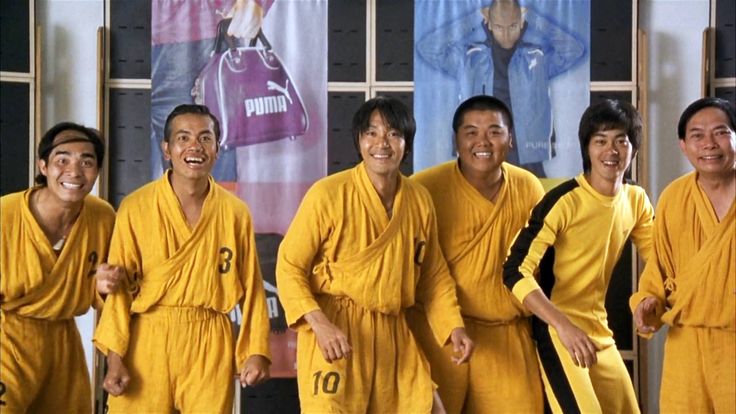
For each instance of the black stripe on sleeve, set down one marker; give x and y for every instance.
(520, 249)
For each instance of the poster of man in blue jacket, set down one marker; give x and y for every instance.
(533, 55)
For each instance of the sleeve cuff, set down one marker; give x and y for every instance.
(295, 314)
(524, 287)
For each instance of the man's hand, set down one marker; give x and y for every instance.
(462, 346)
(255, 370)
(117, 378)
(581, 348)
(331, 340)
(108, 278)
(247, 20)
(645, 315)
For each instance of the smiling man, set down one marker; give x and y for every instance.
(573, 240)
(690, 281)
(188, 248)
(54, 238)
(481, 203)
(362, 248)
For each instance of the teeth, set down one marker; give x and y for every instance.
(482, 154)
(194, 160)
(611, 163)
(710, 157)
(71, 186)
(381, 156)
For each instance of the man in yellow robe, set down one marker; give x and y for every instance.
(481, 203)
(54, 238)
(362, 248)
(689, 283)
(188, 247)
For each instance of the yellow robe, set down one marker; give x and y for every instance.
(693, 274)
(42, 363)
(212, 266)
(475, 234)
(342, 245)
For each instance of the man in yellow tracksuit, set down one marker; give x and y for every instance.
(54, 239)
(689, 283)
(574, 238)
(188, 247)
(362, 248)
(481, 203)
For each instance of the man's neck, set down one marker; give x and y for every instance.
(488, 183)
(386, 186)
(603, 186)
(720, 190)
(191, 194)
(54, 216)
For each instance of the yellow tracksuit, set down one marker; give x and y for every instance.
(345, 256)
(692, 272)
(475, 235)
(171, 322)
(42, 363)
(574, 238)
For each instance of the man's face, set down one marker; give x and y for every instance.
(505, 23)
(710, 142)
(71, 170)
(381, 147)
(482, 141)
(192, 147)
(610, 154)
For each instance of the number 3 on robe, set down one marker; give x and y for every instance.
(227, 256)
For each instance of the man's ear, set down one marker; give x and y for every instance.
(523, 14)
(682, 146)
(42, 167)
(165, 150)
(486, 13)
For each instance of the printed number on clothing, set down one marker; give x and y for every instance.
(227, 256)
(330, 382)
(2, 392)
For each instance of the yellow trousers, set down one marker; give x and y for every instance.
(178, 359)
(699, 371)
(42, 367)
(386, 373)
(603, 388)
(502, 376)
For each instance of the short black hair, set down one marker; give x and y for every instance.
(607, 115)
(393, 111)
(482, 103)
(46, 145)
(191, 109)
(702, 103)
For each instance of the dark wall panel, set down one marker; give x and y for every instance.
(728, 94)
(15, 37)
(725, 59)
(394, 40)
(130, 142)
(346, 41)
(130, 39)
(14, 127)
(341, 153)
(610, 40)
(597, 96)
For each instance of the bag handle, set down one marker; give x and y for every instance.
(224, 41)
